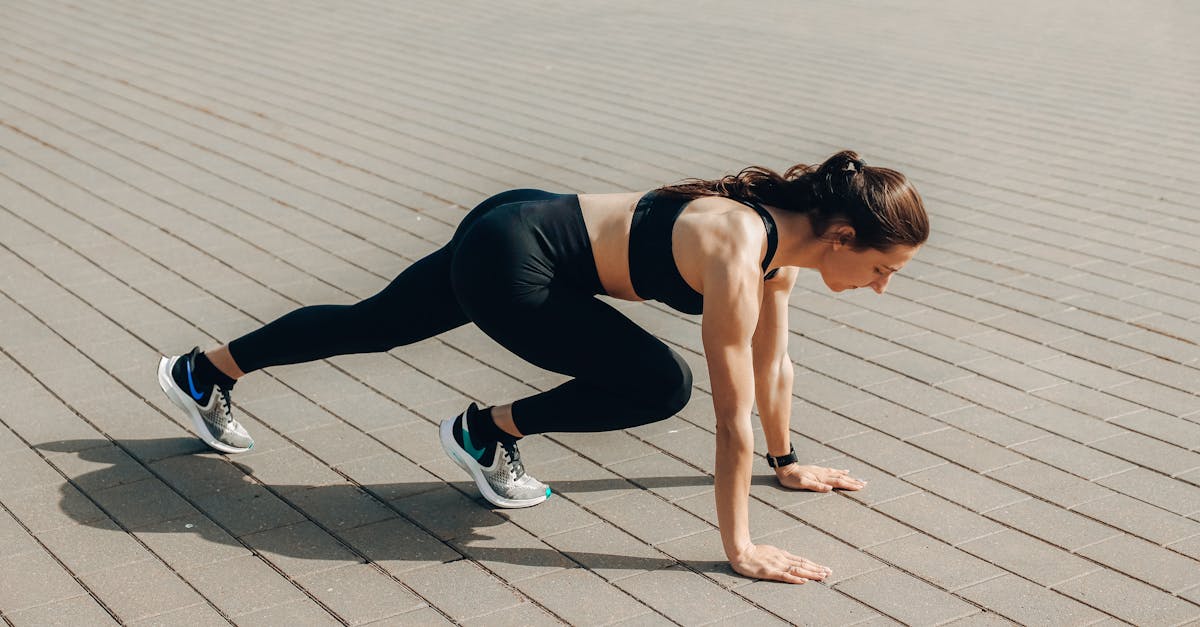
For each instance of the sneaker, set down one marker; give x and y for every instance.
(210, 410)
(496, 468)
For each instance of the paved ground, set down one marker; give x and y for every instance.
(1022, 401)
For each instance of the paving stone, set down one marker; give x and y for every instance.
(96, 546)
(663, 475)
(299, 612)
(1087, 401)
(80, 610)
(398, 546)
(813, 603)
(1028, 557)
(973, 491)
(1144, 485)
(605, 448)
(1178, 431)
(582, 598)
(1050, 483)
(608, 551)
(1150, 453)
(1069, 423)
(143, 502)
(248, 510)
(704, 553)
(550, 517)
(257, 586)
(200, 475)
(1140, 519)
(33, 578)
(300, 549)
(881, 487)
(939, 518)
(966, 449)
(50, 507)
(1055, 525)
(337, 443)
(992, 426)
(1073, 457)
(288, 469)
(199, 615)
(340, 507)
(890, 418)
(13, 538)
(360, 594)
(889, 454)
(140, 590)
(447, 514)
(100, 467)
(648, 517)
(856, 524)
(765, 519)
(905, 598)
(935, 562)
(1129, 599)
(390, 476)
(442, 585)
(1029, 604)
(24, 469)
(683, 595)
(523, 615)
(190, 541)
(1145, 561)
(512, 553)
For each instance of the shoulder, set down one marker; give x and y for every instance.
(732, 227)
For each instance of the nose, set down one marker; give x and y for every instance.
(880, 284)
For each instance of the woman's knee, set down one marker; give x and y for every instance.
(672, 388)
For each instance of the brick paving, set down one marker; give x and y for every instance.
(1022, 400)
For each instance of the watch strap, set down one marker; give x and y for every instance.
(782, 460)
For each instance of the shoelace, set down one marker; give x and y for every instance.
(514, 459)
(227, 405)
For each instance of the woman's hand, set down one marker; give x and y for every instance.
(763, 561)
(816, 478)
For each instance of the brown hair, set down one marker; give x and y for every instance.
(884, 209)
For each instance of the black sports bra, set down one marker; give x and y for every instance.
(652, 266)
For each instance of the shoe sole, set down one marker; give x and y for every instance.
(179, 398)
(468, 463)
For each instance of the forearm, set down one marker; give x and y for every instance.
(735, 458)
(773, 392)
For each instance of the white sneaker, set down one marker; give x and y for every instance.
(212, 419)
(503, 481)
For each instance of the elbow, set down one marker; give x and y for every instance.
(735, 437)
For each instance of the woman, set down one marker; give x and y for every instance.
(525, 266)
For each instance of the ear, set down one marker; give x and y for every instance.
(841, 235)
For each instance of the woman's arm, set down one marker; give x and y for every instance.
(773, 389)
(733, 289)
(772, 365)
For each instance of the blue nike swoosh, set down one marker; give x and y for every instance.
(196, 395)
(470, 448)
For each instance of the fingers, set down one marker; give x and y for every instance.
(847, 483)
(809, 482)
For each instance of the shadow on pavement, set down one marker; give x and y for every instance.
(221, 491)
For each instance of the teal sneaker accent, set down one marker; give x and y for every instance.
(468, 446)
(547, 492)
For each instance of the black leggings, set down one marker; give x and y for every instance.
(520, 267)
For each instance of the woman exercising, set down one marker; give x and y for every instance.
(525, 266)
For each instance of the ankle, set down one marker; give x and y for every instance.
(208, 372)
(483, 427)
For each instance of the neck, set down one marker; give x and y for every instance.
(798, 246)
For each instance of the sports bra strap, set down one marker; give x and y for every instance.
(772, 235)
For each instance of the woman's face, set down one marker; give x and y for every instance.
(843, 268)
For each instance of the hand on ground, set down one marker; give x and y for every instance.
(816, 478)
(763, 561)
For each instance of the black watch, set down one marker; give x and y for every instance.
(782, 460)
